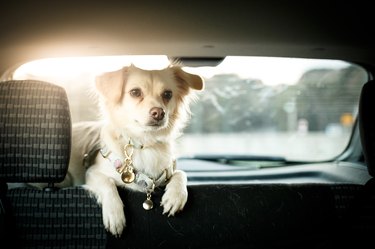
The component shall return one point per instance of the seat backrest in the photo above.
(35, 130)
(366, 124)
(35, 143)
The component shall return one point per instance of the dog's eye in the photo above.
(167, 95)
(136, 93)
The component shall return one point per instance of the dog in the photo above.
(143, 112)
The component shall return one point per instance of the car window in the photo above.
(297, 109)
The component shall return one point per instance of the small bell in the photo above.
(128, 176)
(148, 204)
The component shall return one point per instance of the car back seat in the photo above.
(240, 216)
(35, 142)
(332, 215)
(297, 215)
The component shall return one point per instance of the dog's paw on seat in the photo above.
(113, 216)
(174, 199)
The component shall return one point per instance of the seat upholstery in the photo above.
(35, 145)
(366, 124)
(66, 218)
(35, 130)
(241, 216)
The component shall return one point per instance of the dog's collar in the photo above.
(124, 166)
(141, 179)
(137, 145)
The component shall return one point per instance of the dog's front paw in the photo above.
(114, 217)
(174, 200)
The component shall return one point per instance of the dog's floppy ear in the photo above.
(110, 84)
(194, 81)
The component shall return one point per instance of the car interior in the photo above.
(234, 201)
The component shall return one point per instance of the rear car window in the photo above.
(297, 109)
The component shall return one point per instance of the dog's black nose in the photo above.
(157, 113)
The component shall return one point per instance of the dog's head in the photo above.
(147, 101)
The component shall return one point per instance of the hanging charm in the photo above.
(128, 175)
(127, 170)
(148, 204)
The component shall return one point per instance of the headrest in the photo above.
(366, 124)
(35, 132)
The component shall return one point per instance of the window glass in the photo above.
(299, 109)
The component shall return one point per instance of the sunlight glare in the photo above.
(270, 70)
(62, 67)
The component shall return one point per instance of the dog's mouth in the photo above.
(152, 124)
(156, 124)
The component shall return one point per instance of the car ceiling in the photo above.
(312, 29)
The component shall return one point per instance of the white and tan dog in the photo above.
(143, 112)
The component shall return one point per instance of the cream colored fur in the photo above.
(127, 116)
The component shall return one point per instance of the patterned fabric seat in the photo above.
(35, 142)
